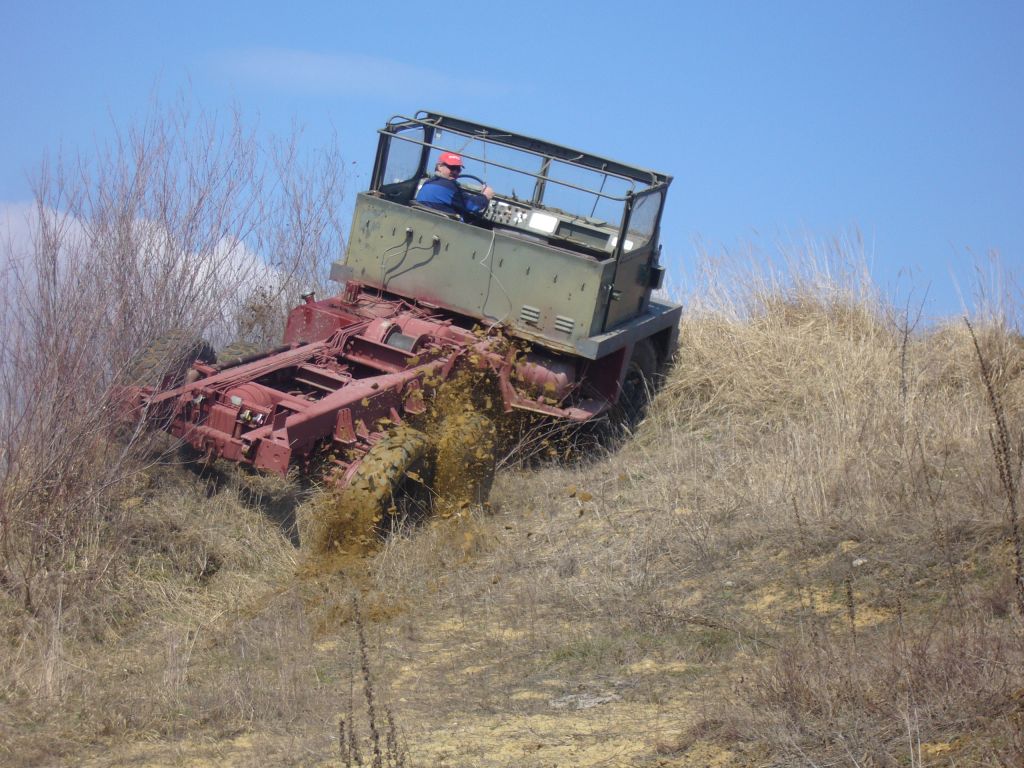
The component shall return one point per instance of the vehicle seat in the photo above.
(403, 192)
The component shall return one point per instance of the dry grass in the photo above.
(803, 557)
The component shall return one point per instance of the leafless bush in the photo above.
(180, 225)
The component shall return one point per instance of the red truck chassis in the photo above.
(353, 366)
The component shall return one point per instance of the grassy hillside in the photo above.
(804, 556)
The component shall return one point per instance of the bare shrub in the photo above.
(176, 226)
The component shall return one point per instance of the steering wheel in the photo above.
(472, 188)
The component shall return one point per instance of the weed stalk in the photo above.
(1008, 464)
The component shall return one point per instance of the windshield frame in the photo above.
(632, 181)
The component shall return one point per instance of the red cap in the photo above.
(450, 158)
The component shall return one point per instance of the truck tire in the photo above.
(638, 386)
(164, 364)
(465, 463)
(388, 487)
(236, 351)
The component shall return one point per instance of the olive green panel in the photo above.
(548, 294)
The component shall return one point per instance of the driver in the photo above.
(442, 192)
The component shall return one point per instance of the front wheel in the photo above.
(638, 388)
(387, 487)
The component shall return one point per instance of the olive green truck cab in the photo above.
(565, 257)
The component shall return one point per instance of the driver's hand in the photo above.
(487, 192)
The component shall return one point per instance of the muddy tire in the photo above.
(389, 487)
(164, 364)
(465, 461)
(638, 387)
(236, 351)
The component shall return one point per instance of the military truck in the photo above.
(542, 304)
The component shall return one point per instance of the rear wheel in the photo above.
(237, 351)
(165, 363)
(387, 488)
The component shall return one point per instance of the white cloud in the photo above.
(18, 226)
(223, 275)
(19, 230)
(344, 74)
(20, 239)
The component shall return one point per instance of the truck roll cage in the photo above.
(564, 180)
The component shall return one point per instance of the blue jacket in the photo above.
(446, 195)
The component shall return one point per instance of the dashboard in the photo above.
(558, 228)
(520, 216)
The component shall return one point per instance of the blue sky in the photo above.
(779, 121)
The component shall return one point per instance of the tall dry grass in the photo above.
(809, 530)
(831, 457)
